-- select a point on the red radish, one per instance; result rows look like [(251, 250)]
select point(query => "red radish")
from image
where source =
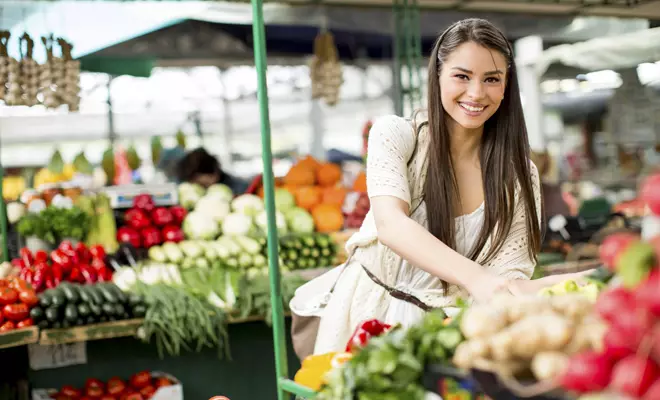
[(613, 302), (653, 392), (129, 235), (587, 372), (650, 193), (633, 376), (179, 214), (172, 233), (613, 246), (616, 344), (634, 325), (647, 295)]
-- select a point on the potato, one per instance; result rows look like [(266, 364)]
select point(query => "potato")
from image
[(482, 321), (463, 356), (546, 332), (527, 307), (548, 365), (575, 306), (501, 346)]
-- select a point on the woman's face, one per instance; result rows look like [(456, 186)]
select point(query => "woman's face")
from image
[(472, 83)]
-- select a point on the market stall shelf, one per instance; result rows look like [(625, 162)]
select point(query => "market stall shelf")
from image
[(19, 337), (106, 330)]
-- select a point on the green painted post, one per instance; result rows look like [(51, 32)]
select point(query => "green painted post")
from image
[(3, 218), (260, 62)]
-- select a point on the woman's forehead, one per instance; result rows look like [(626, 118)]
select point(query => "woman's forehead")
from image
[(473, 58)]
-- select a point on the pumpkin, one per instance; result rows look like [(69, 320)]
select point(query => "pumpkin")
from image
[(309, 162), (308, 197), (334, 195), (299, 175), (328, 174), (360, 184), (327, 218)]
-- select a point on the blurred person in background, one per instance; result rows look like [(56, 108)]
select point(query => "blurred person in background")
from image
[(198, 166)]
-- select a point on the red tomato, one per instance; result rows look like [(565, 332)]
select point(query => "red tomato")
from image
[(148, 391), (7, 326), (16, 312), (71, 392), (25, 323), (141, 379), (8, 296), (94, 392), (115, 386), (29, 297)]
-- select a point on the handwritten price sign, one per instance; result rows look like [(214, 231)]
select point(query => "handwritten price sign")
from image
[(57, 355)]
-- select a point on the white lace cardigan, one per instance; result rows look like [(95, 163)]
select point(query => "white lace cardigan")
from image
[(396, 166)]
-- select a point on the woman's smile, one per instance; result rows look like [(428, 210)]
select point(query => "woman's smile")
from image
[(472, 109)]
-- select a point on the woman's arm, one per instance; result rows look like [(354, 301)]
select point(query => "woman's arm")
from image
[(414, 243)]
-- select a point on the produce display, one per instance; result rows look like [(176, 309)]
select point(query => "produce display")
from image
[(71, 304), (55, 223), (67, 263), (16, 299), (140, 386), (146, 225)]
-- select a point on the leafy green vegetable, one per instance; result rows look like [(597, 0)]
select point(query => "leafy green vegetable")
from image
[(391, 366), (36, 225), (67, 223)]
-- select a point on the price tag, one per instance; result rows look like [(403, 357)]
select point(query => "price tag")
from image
[(57, 355)]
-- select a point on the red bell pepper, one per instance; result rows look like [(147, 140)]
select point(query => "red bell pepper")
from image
[(41, 274), (84, 254), (144, 202), (50, 283), (151, 237), (364, 332), (26, 257), (89, 273), (161, 216), (97, 263), (76, 276), (178, 214), (18, 263), (59, 257), (40, 256), (98, 252), (137, 219), (27, 275), (126, 234), (67, 247), (172, 233), (104, 274), (58, 273)]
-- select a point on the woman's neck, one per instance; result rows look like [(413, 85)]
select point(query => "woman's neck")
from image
[(465, 143)]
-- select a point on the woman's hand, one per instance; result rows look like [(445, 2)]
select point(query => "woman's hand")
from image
[(524, 287), (487, 285)]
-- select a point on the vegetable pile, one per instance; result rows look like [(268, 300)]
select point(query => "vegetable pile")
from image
[(308, 251), (147, 225), (591, 289), (16, 300), (103, 229), (514, 335), (390, 366), (56, 223), (67, 263), (72, 304), (140, 386)]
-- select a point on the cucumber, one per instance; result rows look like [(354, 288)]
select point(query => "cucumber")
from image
[(37, 314), (94, 293), (119, 294), (70, 313), (90, 320), (135, 299), (107, 294), (103, 318), (139, 311), (119, 310), (52, 314), (84, 295), (58, 298), (43, 324), (108, 309), (80, 322), (45, 299), (56, 325), (84, 310), (70, 292), (95, 310)]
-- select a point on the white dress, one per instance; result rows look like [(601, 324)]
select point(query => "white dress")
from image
[(395, 168)]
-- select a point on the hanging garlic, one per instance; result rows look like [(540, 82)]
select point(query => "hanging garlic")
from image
[(325, 69), (4, 63), (29, 72), (14, 90), (69, 93), (48, 77)]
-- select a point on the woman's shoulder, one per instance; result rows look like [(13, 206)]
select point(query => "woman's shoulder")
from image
[(393, 127)]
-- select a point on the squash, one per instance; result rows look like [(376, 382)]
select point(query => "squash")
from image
[(300, 175), (328, 174), (334, 195), (328, 218), (308, 197), (309, 162), (360, 183)]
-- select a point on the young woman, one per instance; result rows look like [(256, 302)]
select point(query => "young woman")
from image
[(455, 200)]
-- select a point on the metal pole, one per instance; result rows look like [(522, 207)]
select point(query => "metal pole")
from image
[(260, 62), (397, 85)]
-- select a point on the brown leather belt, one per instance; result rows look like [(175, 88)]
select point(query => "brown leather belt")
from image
[(396, 293)]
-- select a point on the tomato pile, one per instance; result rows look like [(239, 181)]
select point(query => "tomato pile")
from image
[(77, 264), (16, 300), (147, 225), (140, 386)]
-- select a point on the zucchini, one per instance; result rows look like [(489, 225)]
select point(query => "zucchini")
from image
[(70, 292), (135, 299), (37, 314), (45, 299), (108, 309), (52, 314), (84, 310), (94, 293), (58, 298), (119, 294), (107, 294), (119, 310), (139, 311), (95, 310), (84, 295), (70, 313)]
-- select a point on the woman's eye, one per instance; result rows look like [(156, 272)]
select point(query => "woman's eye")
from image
[(461, 76), (492, 80)]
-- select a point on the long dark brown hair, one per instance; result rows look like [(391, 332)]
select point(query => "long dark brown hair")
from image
[(504, 152)]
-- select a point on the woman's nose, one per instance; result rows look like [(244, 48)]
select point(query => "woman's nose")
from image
[(476, 89)]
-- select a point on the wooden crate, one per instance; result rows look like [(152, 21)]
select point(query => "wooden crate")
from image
[(106, 330), (19, 337)]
